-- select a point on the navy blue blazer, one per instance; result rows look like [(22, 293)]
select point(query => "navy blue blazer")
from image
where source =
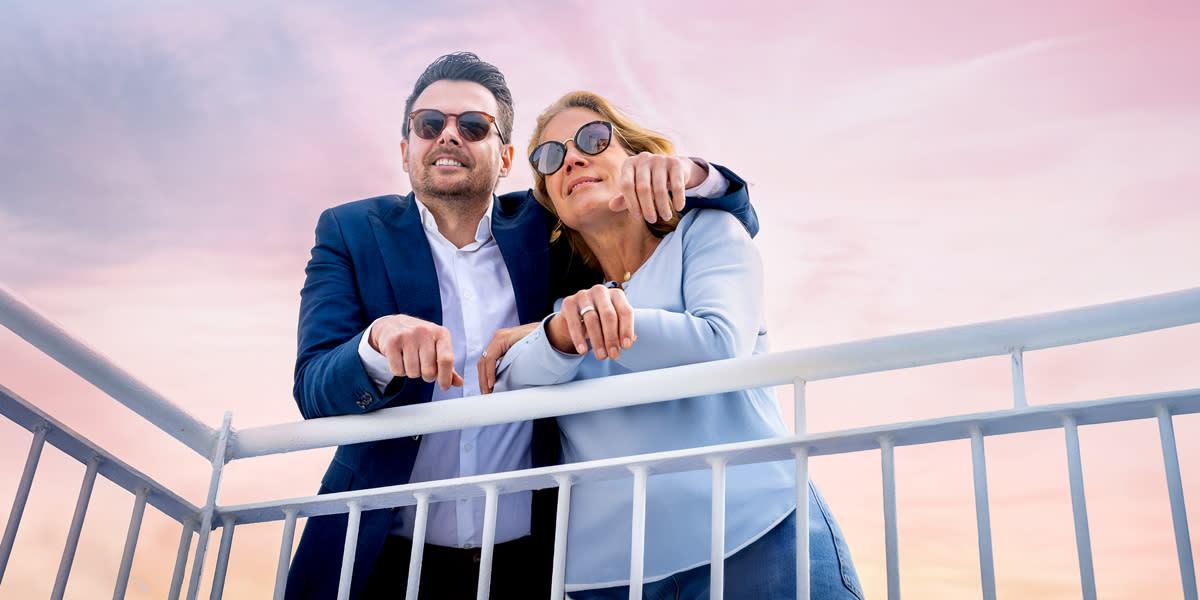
[(371, 259)]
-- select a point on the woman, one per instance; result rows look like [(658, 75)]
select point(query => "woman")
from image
[(693, 288)]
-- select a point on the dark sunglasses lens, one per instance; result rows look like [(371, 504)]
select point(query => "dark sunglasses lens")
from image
[(593, 138), (473, 126), (547, 158), (427, 124)]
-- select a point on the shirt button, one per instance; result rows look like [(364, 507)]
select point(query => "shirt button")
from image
[(467, 447), (467, 295)]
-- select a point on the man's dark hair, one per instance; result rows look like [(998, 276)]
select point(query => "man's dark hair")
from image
[(466, 66)]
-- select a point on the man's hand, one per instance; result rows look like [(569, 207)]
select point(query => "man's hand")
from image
[(600, 315), (646, 180), (416, 348)]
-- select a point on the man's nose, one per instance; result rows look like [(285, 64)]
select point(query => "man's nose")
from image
[(450, 133)]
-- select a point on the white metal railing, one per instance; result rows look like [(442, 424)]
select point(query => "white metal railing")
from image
[(1007, 337)]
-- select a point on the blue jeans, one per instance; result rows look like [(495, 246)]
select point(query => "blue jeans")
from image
[(766, 569)]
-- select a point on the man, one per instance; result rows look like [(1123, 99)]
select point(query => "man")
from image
[(402, 293)]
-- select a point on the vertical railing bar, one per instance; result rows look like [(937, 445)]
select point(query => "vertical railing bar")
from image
[(285, 551), (210, 506), (638, 545), (890, 535), (418, 545), (351, 546), (491, 503), (218, 584), (81, 505), (803, 501), (1083, 538), (18, 506), (716, 578), (131, 540), (185, 544), (983, 519), (1018, 379), (1183, 541), (561, 520), (799, 406)]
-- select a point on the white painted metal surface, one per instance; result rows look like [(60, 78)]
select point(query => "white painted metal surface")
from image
[(1008, 337)]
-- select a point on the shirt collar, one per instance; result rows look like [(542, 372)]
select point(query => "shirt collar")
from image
[(483, 233)]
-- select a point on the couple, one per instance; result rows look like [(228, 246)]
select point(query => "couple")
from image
[(402, 293)]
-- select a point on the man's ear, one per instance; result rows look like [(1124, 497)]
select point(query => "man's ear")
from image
[(404, 155), (506, 159)]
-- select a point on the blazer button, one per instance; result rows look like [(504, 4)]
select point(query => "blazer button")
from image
[(416, 438), (364, 400)]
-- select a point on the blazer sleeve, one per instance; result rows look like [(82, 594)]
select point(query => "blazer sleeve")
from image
[(329, 376), (736, 201)]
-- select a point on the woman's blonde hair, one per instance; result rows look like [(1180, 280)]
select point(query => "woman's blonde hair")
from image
[(633, 137)]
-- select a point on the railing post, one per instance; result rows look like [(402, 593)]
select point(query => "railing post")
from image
[(983, 519), (81, 505), (637, 553), (1183, 541), (210, 506), (1018, 379), (418, 545), (1083, 538), (222, 566), (18, 507), (799, 406), (561, 520), (285, 551), (185, 544), (349, 549), (491, 503), (803, 501), (890, 536), (716, 578), (131, 539)]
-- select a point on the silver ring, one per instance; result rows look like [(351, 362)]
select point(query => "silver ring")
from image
[(484, 355), (584, 311)]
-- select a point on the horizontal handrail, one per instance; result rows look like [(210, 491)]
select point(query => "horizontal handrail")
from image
[(21, 412), (941, 429), (825, 362), (48, 337)]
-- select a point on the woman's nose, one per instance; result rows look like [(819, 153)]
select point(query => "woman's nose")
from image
[(574, 158)]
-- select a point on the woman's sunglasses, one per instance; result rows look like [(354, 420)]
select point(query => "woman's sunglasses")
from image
[(591, 139), (473, 125)]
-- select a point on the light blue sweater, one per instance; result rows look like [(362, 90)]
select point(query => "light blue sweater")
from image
[(697, 298)]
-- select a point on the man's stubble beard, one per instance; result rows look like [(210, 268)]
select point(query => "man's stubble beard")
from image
[(462, 196)]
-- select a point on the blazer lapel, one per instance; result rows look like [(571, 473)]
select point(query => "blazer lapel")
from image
[(408, 259), (521, 235)]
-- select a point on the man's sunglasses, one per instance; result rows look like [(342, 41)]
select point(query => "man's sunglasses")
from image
[(473, 125), (591, 139)]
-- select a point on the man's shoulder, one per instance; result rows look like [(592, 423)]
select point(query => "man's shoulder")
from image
[(373, 205)]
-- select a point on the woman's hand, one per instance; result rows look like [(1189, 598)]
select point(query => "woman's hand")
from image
[(496, 349), (600, 315)]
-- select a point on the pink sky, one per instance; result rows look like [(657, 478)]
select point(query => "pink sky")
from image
[(916, 165)]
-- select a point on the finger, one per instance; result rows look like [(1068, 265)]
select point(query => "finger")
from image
[(660, 176), (679, 177), (445, 361), (456, 380), (608, 322), (625, 319), (396, 362), (618, 204), (642, 187), (412, 359), (629, 190), (487, 364), (570, 316)]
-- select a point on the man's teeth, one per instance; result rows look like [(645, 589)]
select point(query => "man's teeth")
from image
[(447, 162)]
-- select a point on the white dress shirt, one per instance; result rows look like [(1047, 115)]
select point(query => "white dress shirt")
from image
[(477, 299)]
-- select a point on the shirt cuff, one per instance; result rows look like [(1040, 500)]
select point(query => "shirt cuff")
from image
[(375, 364), (713, 186)]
